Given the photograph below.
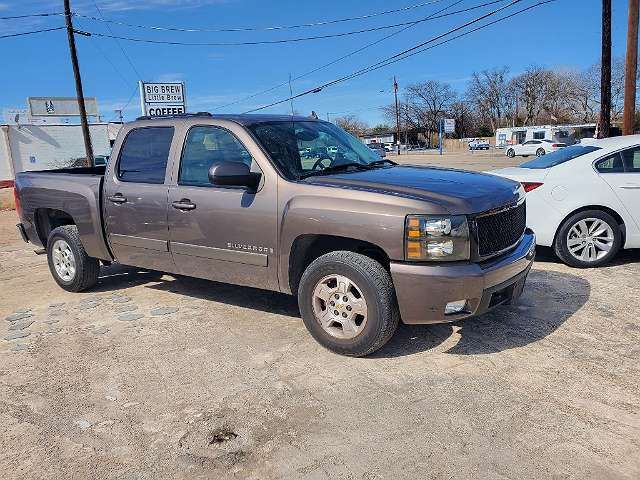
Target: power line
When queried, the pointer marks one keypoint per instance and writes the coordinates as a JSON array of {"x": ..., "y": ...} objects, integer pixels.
[
  {"x": 32, "y": 32},
  {"x": 124, "y": 107},
  {"x": 97, "y": 47},
  {"x": 350, "y": 54},
  {"x": 32, "y": 15},
  {"x": 406, "y": 53},
  {"x": 286, "y": 40},
  {"x": 133, "y": 67},
  {"x": 251, "y": 29}
]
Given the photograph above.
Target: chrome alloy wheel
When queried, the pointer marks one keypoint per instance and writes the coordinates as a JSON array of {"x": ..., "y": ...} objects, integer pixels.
[
  {"x": 339, "y": 306},
  {"x": 590, "y": 239},
  {"x": 63, "y": 260}
]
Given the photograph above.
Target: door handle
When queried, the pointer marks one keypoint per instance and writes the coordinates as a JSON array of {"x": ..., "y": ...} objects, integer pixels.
[
  {"x": 630, "y": 187},
  {"x": 117, "y": 198},
  {"x": 184, "y": 204}
]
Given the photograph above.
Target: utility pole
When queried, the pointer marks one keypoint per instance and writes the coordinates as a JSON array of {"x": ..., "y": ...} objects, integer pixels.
[
  {"x": 631, "y": 71},
  {"x": 119, "y": 112},
  {"x": 76, "y": 73},
  {"x": 395, "y": 93},
  {"x": 605, "y": 74}
]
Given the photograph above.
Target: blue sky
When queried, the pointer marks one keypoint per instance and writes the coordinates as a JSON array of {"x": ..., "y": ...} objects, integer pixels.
[{"x": 564, "y": 34}]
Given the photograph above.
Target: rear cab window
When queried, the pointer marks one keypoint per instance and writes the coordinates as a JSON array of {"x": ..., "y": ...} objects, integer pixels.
[
  {"x": 144, "y": 155},
  {"x": 560, "y": 156}
]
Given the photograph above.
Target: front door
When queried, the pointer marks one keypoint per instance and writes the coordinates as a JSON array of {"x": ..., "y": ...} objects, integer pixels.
[
  {"x": 221, "y": 233},
  {"x": 135, "y": 203}
]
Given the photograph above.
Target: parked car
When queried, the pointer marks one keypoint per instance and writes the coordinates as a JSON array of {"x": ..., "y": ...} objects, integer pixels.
[
  {"x": 478, "y": 144},
  {"x": 534, "y": 147},
  {"x": 379, "y": 149},
  {"x": 584, "y": 200},
  {"x": 361, "y": 241}
]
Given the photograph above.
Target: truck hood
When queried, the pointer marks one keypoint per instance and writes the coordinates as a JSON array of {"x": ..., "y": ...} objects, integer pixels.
[{"x": 456, "y": 191}]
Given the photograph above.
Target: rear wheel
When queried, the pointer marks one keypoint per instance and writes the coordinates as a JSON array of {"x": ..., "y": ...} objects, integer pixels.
[
  {"x": 348, "y": 303},
  {"x": 588, "y": 239},
  {"x": 511, "y": 153},
  {"x": 69, "y": 263},
  {"x": 540, "y": 152}
]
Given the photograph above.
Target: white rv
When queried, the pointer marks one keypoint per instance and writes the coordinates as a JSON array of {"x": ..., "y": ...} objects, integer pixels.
[{"x": 567, "y": 134}]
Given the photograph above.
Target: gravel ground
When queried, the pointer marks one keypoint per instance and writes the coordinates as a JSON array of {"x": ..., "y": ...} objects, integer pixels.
[{"x": 150, "y": 376}]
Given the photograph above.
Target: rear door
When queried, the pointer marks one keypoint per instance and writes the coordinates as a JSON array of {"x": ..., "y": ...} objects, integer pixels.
[
  {"x": 135, "y": 199},
  {"x": 222, "y": 233},
  {"x": 624, "y": 178}
]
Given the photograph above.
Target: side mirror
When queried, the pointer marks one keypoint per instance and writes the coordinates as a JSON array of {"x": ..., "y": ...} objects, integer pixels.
[{"x": 233, "y": 174}]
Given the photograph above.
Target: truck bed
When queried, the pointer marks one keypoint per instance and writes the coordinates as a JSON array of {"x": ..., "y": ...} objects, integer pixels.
[{"x": 47, "y": 196}]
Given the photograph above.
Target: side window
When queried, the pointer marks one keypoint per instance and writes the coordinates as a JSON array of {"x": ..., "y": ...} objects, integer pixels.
[
  {"x": 610, "y": 164},
  {"x": 205, "y": 146},
  {"x": 631, "y": 158},
  {"x": 144, "y": 155}
]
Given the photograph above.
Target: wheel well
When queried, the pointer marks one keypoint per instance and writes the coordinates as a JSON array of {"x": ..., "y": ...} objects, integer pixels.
[
  {"x": 306, "y": 248},
  {"x": 47, "y": 219},
  {"x": 610, "y": 211}
]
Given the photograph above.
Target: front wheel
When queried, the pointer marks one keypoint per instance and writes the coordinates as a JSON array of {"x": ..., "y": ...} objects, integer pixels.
[
  {"x": 511, "y": 153},
  {"x": 69, "y": 263},
  {"x": 588, "y": 239},
  {"x": 348, "y": 303}
]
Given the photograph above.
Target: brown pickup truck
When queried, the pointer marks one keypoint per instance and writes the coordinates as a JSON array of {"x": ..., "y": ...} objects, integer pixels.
[{"x": 289, "y": 204}]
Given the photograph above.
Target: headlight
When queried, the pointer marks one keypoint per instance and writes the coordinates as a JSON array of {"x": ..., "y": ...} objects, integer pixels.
[{"x": 436, "y": 237}]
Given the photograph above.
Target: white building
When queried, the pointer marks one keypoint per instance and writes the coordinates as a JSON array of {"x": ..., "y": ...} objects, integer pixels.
[{"x": 48, "y": 146}]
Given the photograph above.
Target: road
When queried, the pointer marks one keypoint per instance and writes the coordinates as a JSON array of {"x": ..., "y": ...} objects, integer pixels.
[{"x": 154, "y": 376}]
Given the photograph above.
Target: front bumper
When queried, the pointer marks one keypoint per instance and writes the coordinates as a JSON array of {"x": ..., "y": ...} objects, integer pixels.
[{"x": 423, "y": 291}]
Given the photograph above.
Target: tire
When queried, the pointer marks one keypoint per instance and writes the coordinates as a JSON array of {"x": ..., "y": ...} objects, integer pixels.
[
  {"x": 540, "y": 152},
  {"x": 511, "y": 153},
  {"x": 378, "y": 315},
  {"x": 65, "y": 253},
  {"x": 568, "y": 239}
]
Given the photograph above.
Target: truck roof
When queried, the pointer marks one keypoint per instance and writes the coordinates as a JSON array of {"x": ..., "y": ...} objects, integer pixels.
[{"x": 242, "y": 119}]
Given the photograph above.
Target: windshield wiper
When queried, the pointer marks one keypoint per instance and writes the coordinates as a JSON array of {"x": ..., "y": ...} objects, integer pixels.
[
  {"x": 380, "y": 162},
  {"x": 335, "y": 168}
]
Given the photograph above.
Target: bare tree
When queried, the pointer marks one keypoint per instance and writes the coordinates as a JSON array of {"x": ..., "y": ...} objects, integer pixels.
[
  {"x": 531, "y": 90},
  {"x": 352, "y": 124},
  {"x": 465, "y": 119},
  {"x": 492, "y": 96},
  {"x": 427, "y": 103}
]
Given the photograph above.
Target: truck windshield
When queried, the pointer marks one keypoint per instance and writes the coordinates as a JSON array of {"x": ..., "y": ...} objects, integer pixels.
[
  {"x": 559, "y": 156},
  {"x": 301, "y": 149}
]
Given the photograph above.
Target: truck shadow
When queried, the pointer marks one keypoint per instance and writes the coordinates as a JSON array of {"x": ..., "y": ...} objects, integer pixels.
[{"x": 549, "y": 299}]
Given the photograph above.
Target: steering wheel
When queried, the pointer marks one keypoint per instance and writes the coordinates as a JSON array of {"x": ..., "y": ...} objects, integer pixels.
[{"x": 318, "y": 164}]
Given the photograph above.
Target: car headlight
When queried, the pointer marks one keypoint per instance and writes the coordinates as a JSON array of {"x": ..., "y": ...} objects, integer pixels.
[{"x": 437, "y": 238}]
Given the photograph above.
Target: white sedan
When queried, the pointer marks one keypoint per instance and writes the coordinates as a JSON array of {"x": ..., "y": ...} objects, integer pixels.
[
  {"x": 584, "y": 200},
  {"x": 534, "y": 147}
]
